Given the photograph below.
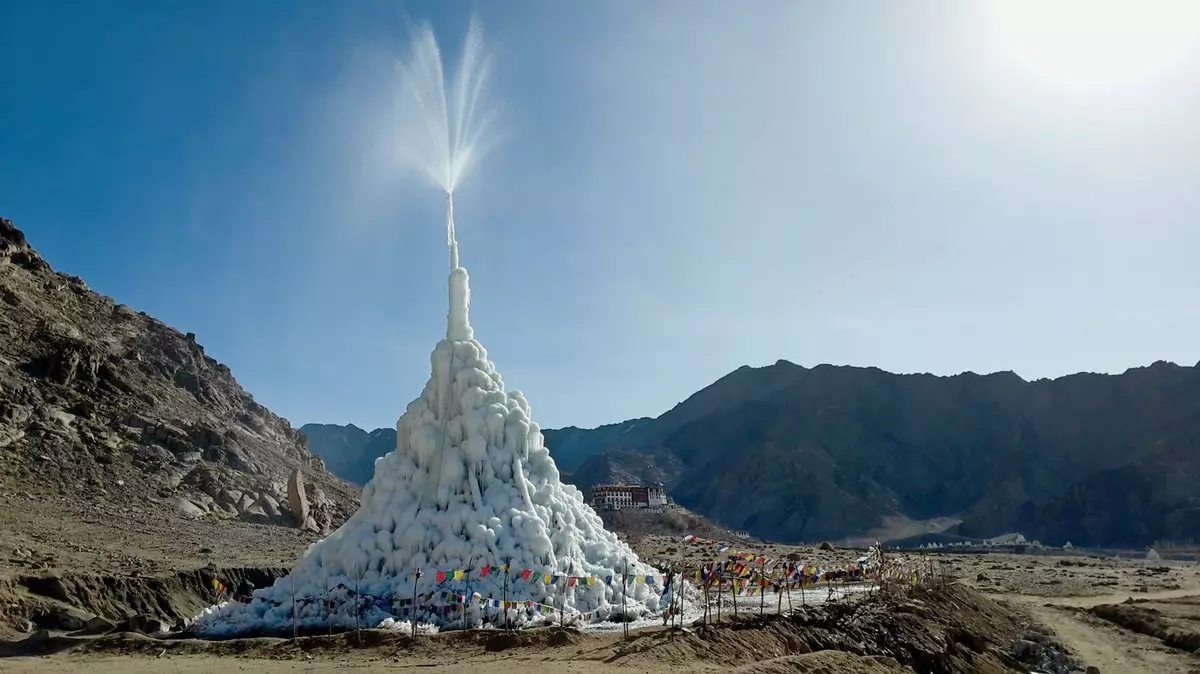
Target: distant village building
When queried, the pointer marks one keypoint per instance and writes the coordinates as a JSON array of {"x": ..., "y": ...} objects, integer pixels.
[
  {"x": 742, "y": 534},
  {"x": 621, "y": 496}
]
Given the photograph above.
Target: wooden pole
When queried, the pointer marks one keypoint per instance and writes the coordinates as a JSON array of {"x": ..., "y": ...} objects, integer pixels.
[
  {"x": 562, "y": 596},
  {"x": 357, "y": 626},
  {"x": 682, "y": 599},
  {"x": 790, "y": 570},
  {"x": 504, "y": 602},
  {"x": 778, "y": 598},
  {"x": 624, "y": 615},
  {"x": 293, "y": 607},
  {"x": 466, "y": 596},
  {"x": 412, "y": 615},
  {"x": 735, "y": 595},
  {"x": 328, "y": 605},
  {"x": 720, "y": 587},
  {"x": 762, "y": 587}
]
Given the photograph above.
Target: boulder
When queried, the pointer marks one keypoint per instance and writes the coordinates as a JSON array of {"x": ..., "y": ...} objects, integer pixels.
[
  {"x": 827, "y": 546},
  {"x": 230, "y": 497},
  {"x": 311, "y": 525},
  {"x": 99, "y": 625},
  {"x": 247, "y": 500},
  {"x": 297, "y": 499},
  {"x": 188, "y": 509},
  {"x": 69, "y": 621},
  {"x": 269, "y": 505}
]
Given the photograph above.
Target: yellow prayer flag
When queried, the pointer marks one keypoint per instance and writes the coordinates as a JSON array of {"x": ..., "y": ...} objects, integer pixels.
[
  {"x": 458, "y": 575},
  {"x": 591, "y": 580},
  {"x": 640, "y": 580},
  {"x": 545, "y": 579}
]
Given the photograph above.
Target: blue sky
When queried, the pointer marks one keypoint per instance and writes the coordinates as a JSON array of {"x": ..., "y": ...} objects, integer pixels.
[{"x": 681, "y": 188}]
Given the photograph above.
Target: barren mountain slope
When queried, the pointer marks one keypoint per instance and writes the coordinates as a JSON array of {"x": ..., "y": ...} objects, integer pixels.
[{"x": 107, "y": 408}]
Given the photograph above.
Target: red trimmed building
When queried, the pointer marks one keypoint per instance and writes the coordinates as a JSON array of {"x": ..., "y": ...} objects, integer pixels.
[{"x": 620, "y": 496}]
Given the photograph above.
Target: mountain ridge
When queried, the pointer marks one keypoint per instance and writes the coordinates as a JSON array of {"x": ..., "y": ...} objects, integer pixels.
[{"x": 833, "y": 451}]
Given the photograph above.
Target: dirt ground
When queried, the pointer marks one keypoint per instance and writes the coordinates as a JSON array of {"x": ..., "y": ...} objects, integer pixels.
[
  {"x": 50, "y": 534},
  {"x": 952, "y": 629}
]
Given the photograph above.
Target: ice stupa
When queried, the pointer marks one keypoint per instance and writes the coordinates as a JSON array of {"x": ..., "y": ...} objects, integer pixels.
[{"x": 470, "y": 485}]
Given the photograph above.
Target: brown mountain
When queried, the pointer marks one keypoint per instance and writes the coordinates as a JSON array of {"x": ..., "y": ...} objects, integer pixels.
[
  {"x": 102, "y": 403},
  {"x": 829, "y": 452}
]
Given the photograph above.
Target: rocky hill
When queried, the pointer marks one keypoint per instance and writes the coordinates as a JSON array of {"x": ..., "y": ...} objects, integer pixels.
[
  {"x": 795, "y": 453},
  {"x": 101, "y": 403}
]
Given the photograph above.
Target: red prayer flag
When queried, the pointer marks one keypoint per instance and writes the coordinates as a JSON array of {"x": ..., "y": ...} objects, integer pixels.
[
  {"x": 484, "y": 571},
  {"x": 440, "y": 576},
  {"x": 571, "y": 581},
  {"x": 526, "y": 574}
]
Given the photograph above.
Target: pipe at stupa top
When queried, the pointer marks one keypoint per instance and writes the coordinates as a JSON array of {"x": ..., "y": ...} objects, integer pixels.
[{"x": 458, "y": 321}]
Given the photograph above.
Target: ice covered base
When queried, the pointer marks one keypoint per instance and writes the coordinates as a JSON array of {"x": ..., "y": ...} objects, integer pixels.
[{"x": 469, "y": 485}]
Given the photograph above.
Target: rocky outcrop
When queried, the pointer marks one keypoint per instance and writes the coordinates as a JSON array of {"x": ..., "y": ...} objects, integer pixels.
[
  {"x": 297, "y": 499},
  {"x": 106, "y": 403}
]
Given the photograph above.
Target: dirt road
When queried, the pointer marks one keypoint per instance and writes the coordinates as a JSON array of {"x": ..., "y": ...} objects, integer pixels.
[{"x": 1104, "y": 645}]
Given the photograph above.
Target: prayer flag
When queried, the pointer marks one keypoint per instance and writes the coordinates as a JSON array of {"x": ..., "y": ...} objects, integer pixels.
[
  {"x": 458, "y": 575},
  {"x": 525, "y": 574},
  {"x": 546, "y": 578},
  {"x": 591, "y": 580},
  {"x": 571, "y": 581},
  {"x": 440, "y": 576},
  {"x": 484, "y": 571}
]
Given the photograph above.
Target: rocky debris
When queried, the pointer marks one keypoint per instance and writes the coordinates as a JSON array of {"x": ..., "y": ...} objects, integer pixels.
[
  {"x": 297, "y": 498},
  {"x": 114, "y": 407},
  {"x": 1041, "y": 653}
]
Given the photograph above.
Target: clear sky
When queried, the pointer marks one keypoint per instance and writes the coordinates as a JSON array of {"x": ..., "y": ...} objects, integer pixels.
[{"x": 682, "y": 187}]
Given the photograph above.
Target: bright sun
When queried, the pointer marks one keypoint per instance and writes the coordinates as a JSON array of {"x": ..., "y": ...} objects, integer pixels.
[{"x": 1096, "y": 44}]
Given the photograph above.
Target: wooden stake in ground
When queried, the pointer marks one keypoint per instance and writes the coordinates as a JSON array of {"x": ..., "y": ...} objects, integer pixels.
[
  {"x": 778, "y": 598},
  {"x": 412, "y": 615},
  {"x": 293, "y": 607},
  {"x": 328, "y": 605},
  {"x": 762, "y": 588},
  {"x": 720, "y": 586},
  {"x": 735, "y": 594},
  {"x": 624, "y": 615},
  {"x": 357, "y": 626},
  {"x": 504, "y": 602},
  {"x": 803, "y": 585},
  {"x": 682, "y": 599},
  {"x": 466, "y": 596},
  {"x": 789, "y": 570},
  {"x": 562, "y": 596}
]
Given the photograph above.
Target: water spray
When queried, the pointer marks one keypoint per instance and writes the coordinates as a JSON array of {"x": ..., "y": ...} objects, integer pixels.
[{"x": 451, "y": 241}]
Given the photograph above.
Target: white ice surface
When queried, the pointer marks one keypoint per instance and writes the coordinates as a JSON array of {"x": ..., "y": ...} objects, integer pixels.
[{"x": 470, "y": 484}]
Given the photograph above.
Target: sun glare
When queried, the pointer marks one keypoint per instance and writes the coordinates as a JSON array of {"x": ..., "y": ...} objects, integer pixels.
[{"x": 1096, "y": 44}]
